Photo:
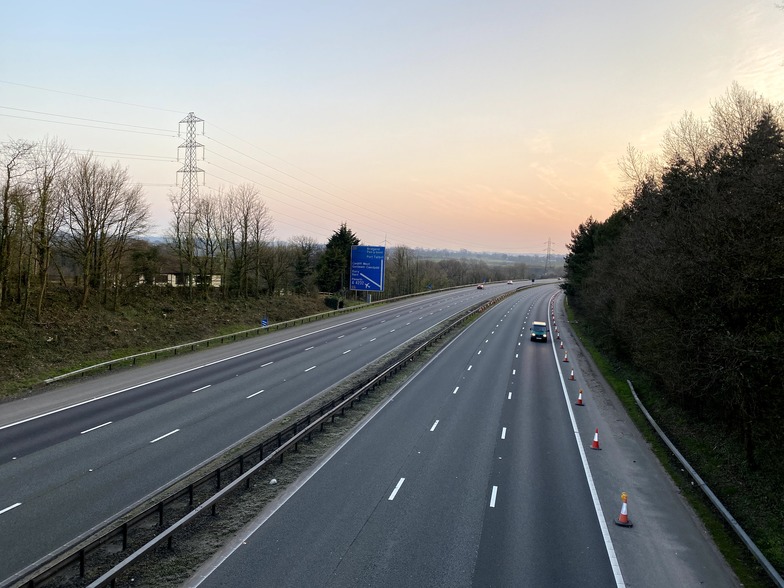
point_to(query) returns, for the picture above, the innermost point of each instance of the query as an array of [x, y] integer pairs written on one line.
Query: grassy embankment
[[68, 339]]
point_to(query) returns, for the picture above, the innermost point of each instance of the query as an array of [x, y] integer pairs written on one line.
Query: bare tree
[[637, 171], [179, 235], [735, 115], [252, 224], [226, 236], [102, 211], [51, 165], [130, 221], [16, 163], [207, 239], [689, 139]]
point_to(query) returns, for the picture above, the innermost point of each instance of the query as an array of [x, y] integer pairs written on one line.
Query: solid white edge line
[[254, 394], [95, 428], [166, 435], [493, 496], [394, 492], [594, 495], [12, 507], [433, 428]]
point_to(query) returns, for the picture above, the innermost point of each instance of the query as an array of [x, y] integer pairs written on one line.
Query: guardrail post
[[218, 476], [160, 514], [81, 563], [242, 464], [190, 496], [125, 536]]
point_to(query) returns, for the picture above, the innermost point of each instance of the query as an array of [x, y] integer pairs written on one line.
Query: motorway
[[74, 457], [479, 472]]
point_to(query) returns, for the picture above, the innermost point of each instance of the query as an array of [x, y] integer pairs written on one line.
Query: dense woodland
[[685, 281]]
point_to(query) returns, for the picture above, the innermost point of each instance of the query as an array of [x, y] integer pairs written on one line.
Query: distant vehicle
[[539, 331], [533, 280], [510, 282], [480, 286]]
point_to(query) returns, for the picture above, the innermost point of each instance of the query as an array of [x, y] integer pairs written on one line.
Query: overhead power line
[[106, 122], [373, 216], [62, 122], [89, 97]]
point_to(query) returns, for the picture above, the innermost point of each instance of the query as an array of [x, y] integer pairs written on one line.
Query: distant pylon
[[190, 185], [549, 252], [189, 170]]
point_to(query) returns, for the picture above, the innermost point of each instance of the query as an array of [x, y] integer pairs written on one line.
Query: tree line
[[685, 280], [73, 223]]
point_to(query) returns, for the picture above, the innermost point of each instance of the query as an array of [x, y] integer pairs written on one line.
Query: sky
[[485, 125]]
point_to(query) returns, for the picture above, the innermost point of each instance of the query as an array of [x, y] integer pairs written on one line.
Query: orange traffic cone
[[595, 444], [623, 518], [571, 376], [561, 344], [566, 356], [580, 398]]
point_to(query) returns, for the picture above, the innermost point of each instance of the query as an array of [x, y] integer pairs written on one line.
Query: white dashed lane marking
[[12, 507], [394, 492], [95, 428], [164, 436]]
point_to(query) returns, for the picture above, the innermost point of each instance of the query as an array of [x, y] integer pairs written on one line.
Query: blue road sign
[[367, 268]]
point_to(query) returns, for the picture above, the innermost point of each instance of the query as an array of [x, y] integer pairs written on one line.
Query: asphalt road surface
[[479, 471], [74, 457]]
